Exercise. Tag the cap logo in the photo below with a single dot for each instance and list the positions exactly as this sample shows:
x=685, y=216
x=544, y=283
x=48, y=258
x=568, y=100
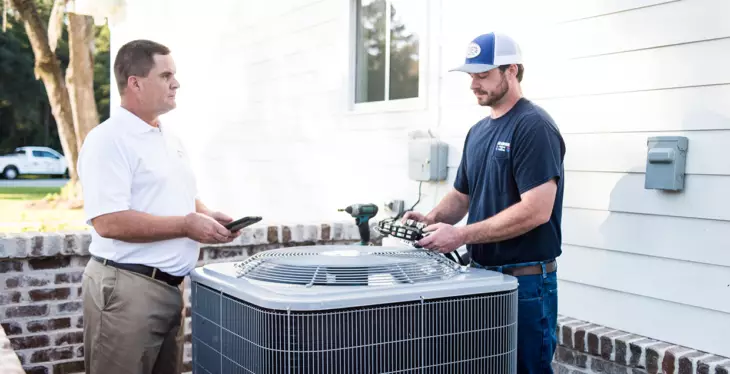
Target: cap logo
x=473, y=50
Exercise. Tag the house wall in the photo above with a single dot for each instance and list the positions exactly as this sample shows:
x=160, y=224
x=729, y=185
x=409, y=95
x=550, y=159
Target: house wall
x=264, y=111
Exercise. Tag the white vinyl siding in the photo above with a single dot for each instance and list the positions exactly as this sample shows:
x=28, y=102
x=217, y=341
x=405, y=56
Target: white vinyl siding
x=265, y=110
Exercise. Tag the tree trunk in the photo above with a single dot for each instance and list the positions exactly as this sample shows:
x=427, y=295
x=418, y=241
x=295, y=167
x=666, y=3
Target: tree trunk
x=55, y=24
x=80, y=75
x=48, y=69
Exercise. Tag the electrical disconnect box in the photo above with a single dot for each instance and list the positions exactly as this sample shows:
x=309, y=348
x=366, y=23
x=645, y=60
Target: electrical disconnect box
x=427, y=158
x=665, y=163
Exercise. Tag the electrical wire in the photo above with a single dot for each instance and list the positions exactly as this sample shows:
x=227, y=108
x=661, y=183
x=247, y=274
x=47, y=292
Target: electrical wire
x=420, y=184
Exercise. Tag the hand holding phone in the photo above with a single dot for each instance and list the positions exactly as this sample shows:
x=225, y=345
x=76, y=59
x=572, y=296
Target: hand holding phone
x=242, y=222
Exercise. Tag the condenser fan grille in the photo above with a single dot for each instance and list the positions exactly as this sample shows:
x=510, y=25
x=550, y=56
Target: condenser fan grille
x=347, y=267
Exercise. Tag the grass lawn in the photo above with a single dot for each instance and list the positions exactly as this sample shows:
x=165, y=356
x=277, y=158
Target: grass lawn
x=17, y=216
x=27, y=193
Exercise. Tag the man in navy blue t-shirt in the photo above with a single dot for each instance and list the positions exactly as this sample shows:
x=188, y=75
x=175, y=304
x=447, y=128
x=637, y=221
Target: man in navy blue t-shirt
x=510, y=181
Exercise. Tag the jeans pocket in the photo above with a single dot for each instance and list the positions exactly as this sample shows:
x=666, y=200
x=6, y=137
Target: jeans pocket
x=530, y=288
x=550, y=282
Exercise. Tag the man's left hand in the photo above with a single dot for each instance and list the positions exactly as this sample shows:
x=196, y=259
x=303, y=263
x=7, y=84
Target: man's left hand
x=442, y=237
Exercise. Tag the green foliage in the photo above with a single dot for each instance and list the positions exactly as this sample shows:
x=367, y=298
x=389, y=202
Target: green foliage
x=27, y=193
x=39, y=209
x=102, y=63
x=25, y=113
x=23, y=101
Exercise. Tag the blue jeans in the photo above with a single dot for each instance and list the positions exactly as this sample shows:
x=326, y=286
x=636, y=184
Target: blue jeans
x=537, y=319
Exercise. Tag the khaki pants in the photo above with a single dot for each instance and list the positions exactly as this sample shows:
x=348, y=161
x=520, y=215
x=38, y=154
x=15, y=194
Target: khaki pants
x=9, y=361
x=132, y=323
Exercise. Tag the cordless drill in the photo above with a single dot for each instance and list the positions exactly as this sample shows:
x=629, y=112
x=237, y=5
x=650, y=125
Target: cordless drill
x=362, y=214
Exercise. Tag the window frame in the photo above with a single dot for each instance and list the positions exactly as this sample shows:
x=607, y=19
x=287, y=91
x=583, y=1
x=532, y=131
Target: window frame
x=388, y=105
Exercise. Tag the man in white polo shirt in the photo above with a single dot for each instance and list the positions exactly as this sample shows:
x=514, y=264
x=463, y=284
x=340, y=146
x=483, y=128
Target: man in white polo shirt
x=140, y=197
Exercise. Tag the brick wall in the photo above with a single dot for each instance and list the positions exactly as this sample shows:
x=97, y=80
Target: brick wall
x=40, y=279
x=588, y=348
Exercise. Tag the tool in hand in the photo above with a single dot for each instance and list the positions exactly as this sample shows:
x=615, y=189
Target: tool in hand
x=411, y=232
x=362, y=213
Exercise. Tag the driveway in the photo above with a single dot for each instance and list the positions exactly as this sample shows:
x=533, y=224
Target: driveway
x=33, y=182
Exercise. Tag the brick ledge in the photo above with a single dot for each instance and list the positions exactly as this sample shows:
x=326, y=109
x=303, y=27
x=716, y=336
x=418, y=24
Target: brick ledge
x=594, y=348
x=76, y=243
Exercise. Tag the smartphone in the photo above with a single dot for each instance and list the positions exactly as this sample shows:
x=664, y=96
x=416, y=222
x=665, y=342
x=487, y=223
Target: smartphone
x=243, y=222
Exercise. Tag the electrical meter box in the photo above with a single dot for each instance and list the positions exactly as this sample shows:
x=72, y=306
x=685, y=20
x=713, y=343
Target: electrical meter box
x=665, y=163
x=427, y=158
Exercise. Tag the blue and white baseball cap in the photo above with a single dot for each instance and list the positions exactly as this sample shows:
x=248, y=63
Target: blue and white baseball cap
x=489, y=51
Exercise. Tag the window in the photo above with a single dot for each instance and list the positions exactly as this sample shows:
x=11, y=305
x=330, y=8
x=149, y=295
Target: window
x=388, y=49
x=49, y=155
x=45, y=154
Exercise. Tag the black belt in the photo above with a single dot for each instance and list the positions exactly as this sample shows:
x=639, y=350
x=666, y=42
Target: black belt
x=149, y=271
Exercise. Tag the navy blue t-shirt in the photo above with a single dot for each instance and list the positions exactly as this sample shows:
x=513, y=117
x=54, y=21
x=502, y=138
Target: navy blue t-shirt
x=502, y=159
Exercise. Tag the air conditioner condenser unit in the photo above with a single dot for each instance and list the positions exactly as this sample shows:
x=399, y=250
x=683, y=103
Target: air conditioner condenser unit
x=352, y=309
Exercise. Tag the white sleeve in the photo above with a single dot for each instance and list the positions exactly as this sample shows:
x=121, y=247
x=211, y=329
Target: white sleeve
x=105, y=175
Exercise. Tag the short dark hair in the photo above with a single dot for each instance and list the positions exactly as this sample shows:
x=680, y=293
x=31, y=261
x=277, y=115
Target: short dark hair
x=520, y=70
x=136, y=58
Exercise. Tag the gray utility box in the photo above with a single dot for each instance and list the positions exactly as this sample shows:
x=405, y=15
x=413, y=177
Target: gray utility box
x=665, y=163
x=427, y=158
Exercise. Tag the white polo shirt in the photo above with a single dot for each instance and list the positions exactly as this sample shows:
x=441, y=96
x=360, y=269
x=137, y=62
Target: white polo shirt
x=127, y=164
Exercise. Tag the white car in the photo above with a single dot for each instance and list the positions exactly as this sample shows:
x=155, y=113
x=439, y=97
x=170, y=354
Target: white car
x=33, y=161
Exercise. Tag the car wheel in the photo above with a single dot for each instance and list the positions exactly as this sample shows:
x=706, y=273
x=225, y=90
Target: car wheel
x=10, y=172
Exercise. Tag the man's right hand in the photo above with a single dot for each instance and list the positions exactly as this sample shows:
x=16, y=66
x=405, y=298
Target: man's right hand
x=418, y=217
x=204, y=229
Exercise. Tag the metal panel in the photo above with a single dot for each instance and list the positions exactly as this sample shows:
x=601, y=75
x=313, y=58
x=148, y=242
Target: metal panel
x=475, y=333
x=317, y=278
x=352, y=309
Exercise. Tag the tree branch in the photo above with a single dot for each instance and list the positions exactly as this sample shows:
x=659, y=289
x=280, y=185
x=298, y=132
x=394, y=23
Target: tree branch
x=55, y=24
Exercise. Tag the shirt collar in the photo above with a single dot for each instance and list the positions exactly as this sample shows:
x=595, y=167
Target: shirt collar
x=135, y=124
